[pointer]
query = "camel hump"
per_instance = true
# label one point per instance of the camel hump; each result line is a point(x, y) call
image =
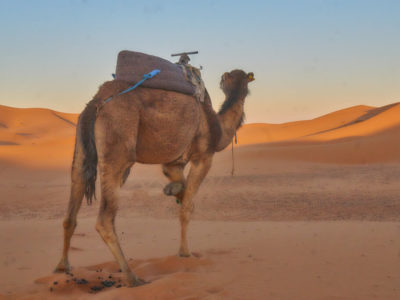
point(131, 66)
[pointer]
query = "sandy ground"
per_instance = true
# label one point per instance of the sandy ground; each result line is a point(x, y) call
point(313, 213)
point(271, 190)
point(290, 231)
point(233, 260)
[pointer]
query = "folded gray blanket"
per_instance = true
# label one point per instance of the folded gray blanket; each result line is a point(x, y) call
point(131, 66)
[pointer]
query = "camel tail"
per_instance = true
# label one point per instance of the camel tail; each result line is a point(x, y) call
point(87, 120)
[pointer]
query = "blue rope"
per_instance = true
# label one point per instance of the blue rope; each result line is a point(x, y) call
point(145, 77)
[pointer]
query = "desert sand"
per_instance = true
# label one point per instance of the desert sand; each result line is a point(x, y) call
point(312, 212)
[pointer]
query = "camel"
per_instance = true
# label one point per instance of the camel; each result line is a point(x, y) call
point(150, 126)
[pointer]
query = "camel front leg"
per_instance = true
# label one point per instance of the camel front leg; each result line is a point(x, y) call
point(174, 172)
point(198, 170)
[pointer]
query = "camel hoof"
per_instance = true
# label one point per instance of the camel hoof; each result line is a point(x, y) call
point(140, 282)
point(173, 188)
point(136, 281)
point(62, 268)
point(184, 254)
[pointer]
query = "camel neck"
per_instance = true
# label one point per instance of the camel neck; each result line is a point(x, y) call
point(230, 117)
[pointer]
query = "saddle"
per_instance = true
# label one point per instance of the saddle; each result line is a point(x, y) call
point(181, 78)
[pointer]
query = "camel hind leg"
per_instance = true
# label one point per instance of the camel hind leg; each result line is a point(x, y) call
point(111, 176)
point(75, 201)
point(116, 155)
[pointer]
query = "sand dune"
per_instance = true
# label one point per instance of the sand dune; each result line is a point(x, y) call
point(36, 136)
point(266, 133)
point(45, 138)
point(373, 122)
point(18, 123)
point(351, 122)
point(357, 135)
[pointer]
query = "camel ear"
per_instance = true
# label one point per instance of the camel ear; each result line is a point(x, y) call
point(250, 76)
point(225, 76)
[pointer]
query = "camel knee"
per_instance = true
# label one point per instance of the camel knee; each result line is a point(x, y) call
point(174, 172)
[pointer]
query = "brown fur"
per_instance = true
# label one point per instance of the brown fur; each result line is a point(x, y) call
point(236, 88)
point(213, 124)
point(111, 88)
point(147, 126)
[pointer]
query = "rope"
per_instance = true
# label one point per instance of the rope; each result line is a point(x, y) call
point(145, 77)
point(233, 157)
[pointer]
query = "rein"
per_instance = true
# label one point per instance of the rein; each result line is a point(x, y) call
point(233, 157)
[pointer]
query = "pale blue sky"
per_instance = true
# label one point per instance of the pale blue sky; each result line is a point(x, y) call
point(309, 57)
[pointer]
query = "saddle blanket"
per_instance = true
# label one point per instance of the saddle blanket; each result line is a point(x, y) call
point(186, 79)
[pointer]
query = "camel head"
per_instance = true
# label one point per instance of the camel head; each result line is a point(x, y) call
point(236, 81)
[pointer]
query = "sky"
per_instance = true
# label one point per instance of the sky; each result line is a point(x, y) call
point(309, 57)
